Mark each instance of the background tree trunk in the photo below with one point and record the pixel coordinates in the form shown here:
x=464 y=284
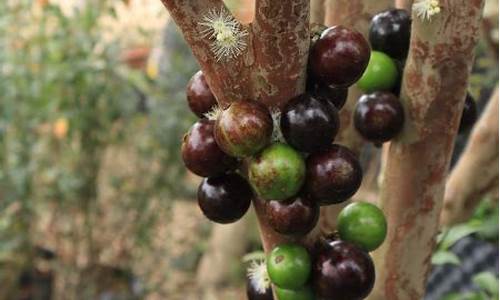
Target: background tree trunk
x=476 y=173
x=434 y=88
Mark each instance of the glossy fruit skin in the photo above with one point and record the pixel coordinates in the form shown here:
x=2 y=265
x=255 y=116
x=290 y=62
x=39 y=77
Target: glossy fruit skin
x=295 y=216
x=244 y=128
x=379 y=116
x=333 y=175
x=289 y=266
x=254 y=294
x=339 y=57
x=336 y=96
x=303 y=293
x=307 y=124
x=362 y=224
x=277 y=173
x=201 y=154
x=224 y=199
x=343 y=271
x=381 y=74
x=469 y=114
x=390 y=33
x=199 y=96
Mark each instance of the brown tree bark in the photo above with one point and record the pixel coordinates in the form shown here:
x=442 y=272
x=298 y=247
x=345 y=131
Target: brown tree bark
x=434 y=87
x=271 y=69
x=476 y=173
x=318 y=11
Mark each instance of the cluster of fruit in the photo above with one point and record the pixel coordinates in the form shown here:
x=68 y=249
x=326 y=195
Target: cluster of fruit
x=289 y=160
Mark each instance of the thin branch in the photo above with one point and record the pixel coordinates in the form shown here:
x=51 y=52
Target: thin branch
x=224 y=76
x=476 y=171
x=281 y=47
x=434 y=87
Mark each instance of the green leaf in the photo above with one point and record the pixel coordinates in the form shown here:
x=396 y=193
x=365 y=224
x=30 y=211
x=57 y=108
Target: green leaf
x=445 y=257
x=455 y=233
x=488 y=282
x=466 y=296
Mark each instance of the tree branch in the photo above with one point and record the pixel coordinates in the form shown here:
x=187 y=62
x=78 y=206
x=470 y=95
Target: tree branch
x=434 y=87
x=404 y=4
x=224 y=77
x=476 y=171
x=281 y=47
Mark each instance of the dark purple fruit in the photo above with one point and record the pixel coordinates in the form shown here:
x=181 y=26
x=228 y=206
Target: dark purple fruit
x=390 y=33
x=339 y=57
x=254 y=292
x=307 y=124
x=244 y=128
x=295 y=216
x=379 y=116
x=333 y=175
x=343 y=271
x=224 y=199
x=328 y=93
x=201 y=154
x=199 y=96
x=469 y=114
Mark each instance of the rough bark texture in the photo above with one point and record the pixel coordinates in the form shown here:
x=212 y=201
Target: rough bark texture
x=434 y=87
x=356 y=14
x=476 y=173
x=271 y=70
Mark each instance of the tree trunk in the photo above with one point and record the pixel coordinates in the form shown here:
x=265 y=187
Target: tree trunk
x=434 y=87
x=476 y=173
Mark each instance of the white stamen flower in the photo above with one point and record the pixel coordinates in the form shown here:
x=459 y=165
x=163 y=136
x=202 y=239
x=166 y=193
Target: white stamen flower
x=425 y=9
x=226 y=33
x=257 y=273
x=214 y=113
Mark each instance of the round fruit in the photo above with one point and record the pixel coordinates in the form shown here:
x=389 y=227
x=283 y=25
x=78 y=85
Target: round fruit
x=303 y=293
x=339 y=57
x=362 y=224
x=379 y=116
x=199 y=96
x=390 y=33
x=258 y=288
x=343 y=272
x=469 y=114
x=277 y=173
x=201 y=154
x=380 y=75
x=328 y=93
x=333 y=175
x=307 y=124
x=295 y=216
x=244 y=128
x=224 y=199
x=289 y=266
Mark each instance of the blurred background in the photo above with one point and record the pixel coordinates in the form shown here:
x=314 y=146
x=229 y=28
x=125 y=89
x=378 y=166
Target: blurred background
x=94 y=200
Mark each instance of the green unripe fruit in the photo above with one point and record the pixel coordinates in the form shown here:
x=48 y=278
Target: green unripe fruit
x=380 y=75
x=304 y=293
x=363 y=224
x=289 y=266
x=277 y=173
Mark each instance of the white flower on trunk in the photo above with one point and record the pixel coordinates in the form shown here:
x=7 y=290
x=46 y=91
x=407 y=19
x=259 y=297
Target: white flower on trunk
x=226 y=33
x=425 y=9
x=257 y=273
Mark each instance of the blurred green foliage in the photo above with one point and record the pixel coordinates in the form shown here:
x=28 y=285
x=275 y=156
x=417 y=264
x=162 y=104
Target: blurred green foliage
x=66 y=97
